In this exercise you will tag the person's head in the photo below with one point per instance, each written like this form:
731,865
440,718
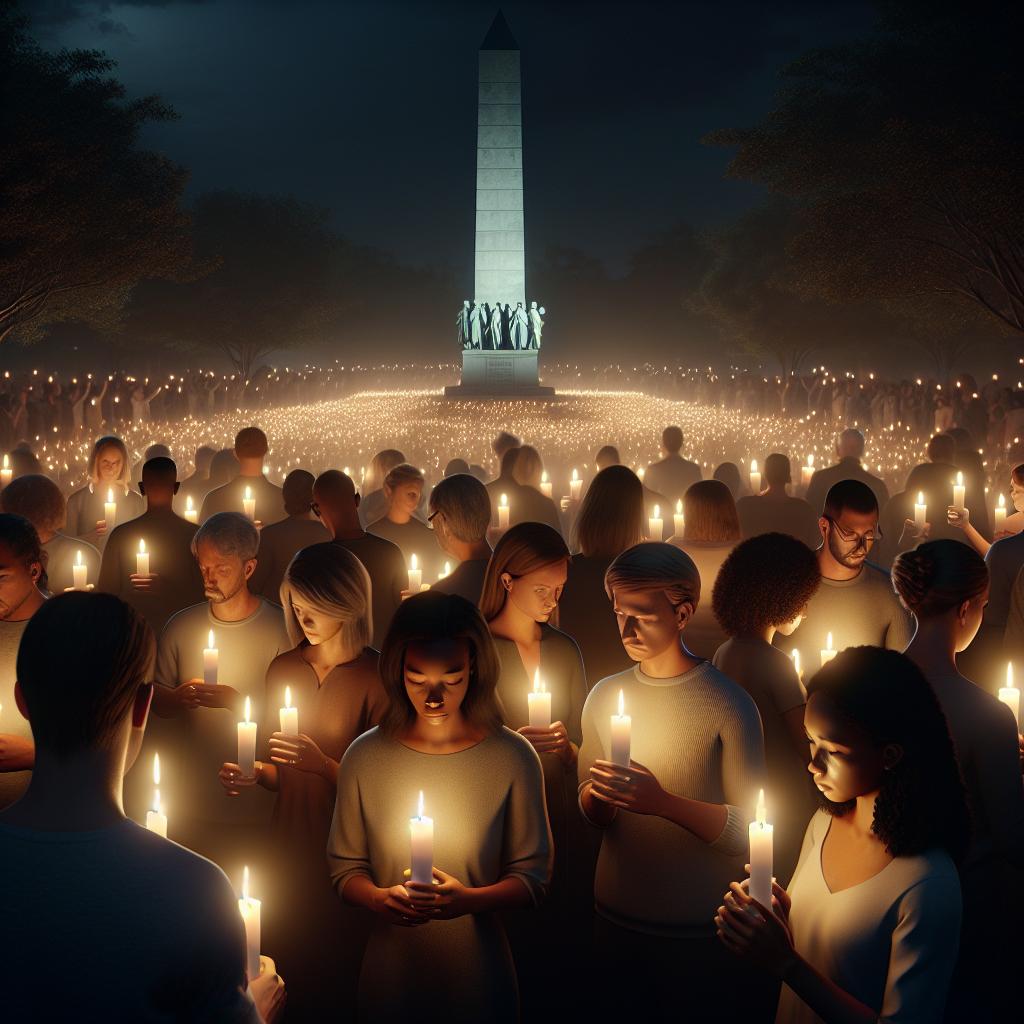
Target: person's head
159,482
403,488
776,470
611,516
155,451
297,492
874,726
251,445
1017,487
850,444
528,567
203,457
710,513
654,589
85,669
528,467
671,440
38,499
223,467
728,473
944,580
766,582
460,508
503,442
225,549
108,463
380,465
21,564
438,660
455,466
849,522
941,448
335,502
607,455
326,591
507,469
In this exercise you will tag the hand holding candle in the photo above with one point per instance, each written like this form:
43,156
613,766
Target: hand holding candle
761,838
421,834
247,743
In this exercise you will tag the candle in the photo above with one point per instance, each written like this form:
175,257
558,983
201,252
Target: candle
1010,695
446,571
190,513
575,486
622,726
79,572
655,524
806,472
678,521
421,835
289,715
545,484
796,664
249,504
156,820
760,835
110,509
828,653
249,908
247,743
1000,513
920,511
755,477
210,654
6,473
142,559
503,513
959,491
539,703
415,575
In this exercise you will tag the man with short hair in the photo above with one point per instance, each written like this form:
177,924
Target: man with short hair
674,820
460,512
774,510
673,474
142,928
251,449
849,452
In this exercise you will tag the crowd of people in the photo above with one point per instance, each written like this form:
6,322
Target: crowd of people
583,699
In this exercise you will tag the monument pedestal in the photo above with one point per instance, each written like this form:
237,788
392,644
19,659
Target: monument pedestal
488,374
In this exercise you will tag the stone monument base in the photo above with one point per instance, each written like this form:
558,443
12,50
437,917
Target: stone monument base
489,374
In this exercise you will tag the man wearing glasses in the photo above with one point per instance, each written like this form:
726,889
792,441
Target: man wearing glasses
855,602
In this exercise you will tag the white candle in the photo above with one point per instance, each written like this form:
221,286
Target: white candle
415,575
622,726
959,491
503,512
678,521
828,653
655,524
920,511
575,486
79,573
190,513
755,477
1000,513
796,664
142,559
446,571
249,908
806,472
247,743
249,504
6,473
156,820
760,835
110,509
289,715
421,835
545,484
539,703
210,655
1010,695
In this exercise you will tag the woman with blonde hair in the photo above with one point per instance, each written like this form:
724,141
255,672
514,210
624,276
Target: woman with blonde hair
109,475
403,492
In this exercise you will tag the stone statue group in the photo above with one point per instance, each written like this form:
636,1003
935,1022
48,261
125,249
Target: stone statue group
495,326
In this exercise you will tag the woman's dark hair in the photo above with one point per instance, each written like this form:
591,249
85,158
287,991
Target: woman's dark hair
766,581
611,516
710,513
921,803
728,473
937,576
428,617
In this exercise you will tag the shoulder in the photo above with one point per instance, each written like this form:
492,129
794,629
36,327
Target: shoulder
515,751
729,695
607,689
285,662
185,621
559,642
878,579
929,879
367,748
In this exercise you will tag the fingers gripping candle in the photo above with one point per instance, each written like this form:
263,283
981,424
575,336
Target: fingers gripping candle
421,834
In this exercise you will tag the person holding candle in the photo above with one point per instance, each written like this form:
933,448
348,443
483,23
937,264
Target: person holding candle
483,790
945,586
1006,526
336,694
763,590
403,490
673,474
109,471
674,821
773,510
142,928
460,513
868,928
250,449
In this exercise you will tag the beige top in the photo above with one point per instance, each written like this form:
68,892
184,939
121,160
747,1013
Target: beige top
61,553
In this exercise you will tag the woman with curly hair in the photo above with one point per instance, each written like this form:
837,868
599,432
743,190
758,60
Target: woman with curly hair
762,589
869,927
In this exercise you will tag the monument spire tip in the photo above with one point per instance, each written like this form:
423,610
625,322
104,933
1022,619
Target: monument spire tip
499,35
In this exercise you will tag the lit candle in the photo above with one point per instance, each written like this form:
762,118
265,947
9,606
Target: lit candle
760,834
210,654
806,472
446,571
79,573
247,744
249,908
156,820
190,513
622,726
575,486
1010,695
110,509
655,524
503,512
539,703
797,665
6,473
142,559
678,522
545,484
755,477
920,511
828,653
289,715
421,834
415,575
959,491
249,504
1000,513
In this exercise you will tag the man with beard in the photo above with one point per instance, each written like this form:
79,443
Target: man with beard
855,602
248,633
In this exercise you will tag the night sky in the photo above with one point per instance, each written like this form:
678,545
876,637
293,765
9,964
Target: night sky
369,108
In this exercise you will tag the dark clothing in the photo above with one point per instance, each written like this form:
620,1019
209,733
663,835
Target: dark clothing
278,544
466,580
385,565
672,476
769,514
848,468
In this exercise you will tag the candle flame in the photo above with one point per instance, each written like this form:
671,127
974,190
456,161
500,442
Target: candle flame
753,465
210,640
142,546
245,883
110,495
1009,675
419,806
287,696
575,475
188,504
679,506
828,643
762,811
248,710
156,769
414,564
657,512
920,497
622,703
796,660
810,461
1002,501
78,557
504,501
544,477
248,494
538,683
959,479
